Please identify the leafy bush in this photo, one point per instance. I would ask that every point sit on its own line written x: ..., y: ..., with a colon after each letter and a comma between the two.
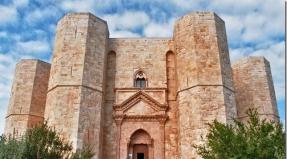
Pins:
x: 41, y: 142
x: 258, y: 139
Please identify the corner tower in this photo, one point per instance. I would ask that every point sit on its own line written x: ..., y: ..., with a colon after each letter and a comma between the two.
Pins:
x: 28, y: 96
x: 205, y: 87
x: 254, y: 88
x: 75, y: 92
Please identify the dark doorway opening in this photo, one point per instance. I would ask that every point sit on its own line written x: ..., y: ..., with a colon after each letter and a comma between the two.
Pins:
x: 140, y: 155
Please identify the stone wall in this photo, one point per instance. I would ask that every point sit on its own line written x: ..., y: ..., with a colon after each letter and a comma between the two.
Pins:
x: 205, y: 90
x: 148, y: 54
x: 254, y: 88
x: 127, y: 56
x: 28, y: 96
x: 75, y: 97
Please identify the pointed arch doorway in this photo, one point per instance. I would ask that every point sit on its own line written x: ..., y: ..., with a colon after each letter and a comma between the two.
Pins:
x: 140, y: 146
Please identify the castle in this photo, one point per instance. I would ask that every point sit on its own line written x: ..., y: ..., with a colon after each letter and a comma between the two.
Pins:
x: 139, y: 98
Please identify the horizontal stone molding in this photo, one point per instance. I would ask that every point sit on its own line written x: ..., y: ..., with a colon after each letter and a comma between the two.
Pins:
x: 245, y: 116
x: 24, y: 114
x: 147, y: 88
x: 146, y: 118
x: 94, y: 89
x: 204, y: 85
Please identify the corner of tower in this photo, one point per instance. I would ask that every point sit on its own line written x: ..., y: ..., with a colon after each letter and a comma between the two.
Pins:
x: 28, y: 96
x: 254, y: 88
x: 81, y: 17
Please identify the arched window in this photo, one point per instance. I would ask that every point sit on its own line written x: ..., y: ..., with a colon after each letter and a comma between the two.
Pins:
x: 140, y: 80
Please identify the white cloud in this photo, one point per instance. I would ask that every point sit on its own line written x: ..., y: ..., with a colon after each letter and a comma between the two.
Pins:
x: 252, y: 21
x: 39, y: 15
x: 7, y: 66
x: 9, y: 15
x: 234, y: 27
x: 238, y: 53
x: 159, y: 29
x: 123, y: 34
x: 187, y: 5
x: 20, y: 3
x: 33, y: 47
x: 78, y: 5
x: 121, y: 25
x: 127, y: 20
x: 230, y: 7
x: 3, y: 34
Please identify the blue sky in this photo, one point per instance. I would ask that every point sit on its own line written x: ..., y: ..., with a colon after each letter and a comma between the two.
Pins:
x: 27, y: 29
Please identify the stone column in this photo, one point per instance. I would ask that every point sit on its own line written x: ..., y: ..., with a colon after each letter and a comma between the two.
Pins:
x: 205, y: 88
x: 75, y: 94
x: 119, y: 125
x: 162, y: 139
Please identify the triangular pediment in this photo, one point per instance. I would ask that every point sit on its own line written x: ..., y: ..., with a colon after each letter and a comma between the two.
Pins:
x: 140, y: 100
x: 140, y: 108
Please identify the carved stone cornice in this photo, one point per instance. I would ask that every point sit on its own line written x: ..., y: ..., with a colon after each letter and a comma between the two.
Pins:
x: 148, y: 118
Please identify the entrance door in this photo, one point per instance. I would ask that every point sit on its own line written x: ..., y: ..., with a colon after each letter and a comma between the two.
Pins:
x: 140, y: 155
x: 140, y: 151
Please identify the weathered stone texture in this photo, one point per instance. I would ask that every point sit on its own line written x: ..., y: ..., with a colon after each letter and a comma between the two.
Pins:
x: 205, y: 90
x: 143, y: 53
x: 28, y: 96
x: 198, y: 107
x: 76, y: 83
x: 96, y: 94
x: 254, y: 88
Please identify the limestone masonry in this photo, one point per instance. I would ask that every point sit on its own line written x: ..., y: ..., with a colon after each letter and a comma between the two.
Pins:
x: 139, y: 98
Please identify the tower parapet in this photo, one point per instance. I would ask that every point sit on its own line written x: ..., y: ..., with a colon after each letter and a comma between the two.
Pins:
x: 28, y: 96
x: 254, y: 88
x: 75, y: 93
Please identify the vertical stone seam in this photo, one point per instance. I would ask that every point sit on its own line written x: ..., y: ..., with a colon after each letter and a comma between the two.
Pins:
x: 218, y: 48
x: 33, y: 92
x: 221, y: 61
x: 271, y: 87
x: 104, y: 90
x: 81, y: 87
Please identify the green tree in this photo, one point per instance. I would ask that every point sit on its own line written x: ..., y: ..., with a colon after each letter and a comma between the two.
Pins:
x: 44, y: 142
x: 10, y: 148
x: 257, y: 139
x: 85, y: 153
x: 41, y: 142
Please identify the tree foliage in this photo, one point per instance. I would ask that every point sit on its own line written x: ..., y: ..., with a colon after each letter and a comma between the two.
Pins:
x: 257, y: 139
x: 41, y: 142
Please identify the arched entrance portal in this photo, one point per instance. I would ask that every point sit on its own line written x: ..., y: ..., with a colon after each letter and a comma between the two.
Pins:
x: 140, y: 146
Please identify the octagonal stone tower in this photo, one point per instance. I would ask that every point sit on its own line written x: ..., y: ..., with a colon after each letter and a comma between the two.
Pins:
x: 28, y: 96
x: 75, y: 92
x: 249, y: 75
x: 205, y: 88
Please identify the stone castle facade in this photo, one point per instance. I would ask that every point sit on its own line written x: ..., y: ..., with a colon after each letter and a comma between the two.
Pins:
x: 139, y: 98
